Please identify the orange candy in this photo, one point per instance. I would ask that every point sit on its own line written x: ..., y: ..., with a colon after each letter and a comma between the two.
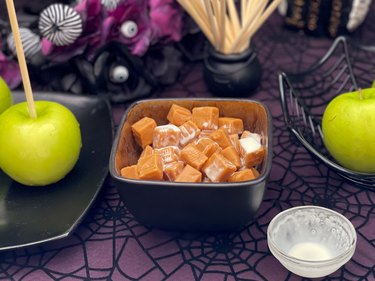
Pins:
x: 207, y: 146
x: 172, y: 170
x: 206, y: 117
x: 218, y: 168
x: 143, y: 131
x: 232, y: 155
x: 243, y: 175
x: 231, y: 125
x: 235, y: 140
x: 168, y: 154
x: 178, y: 115
x: 150, y: 167
x: 252, y: 151
x: 192, y: 156
x: 130, y: 172
x: 148, y: 150
x: 189, y: 174
x: 221, y: 137
x: 196, y: 146
x: 166, y: 135
x: 189, y: 132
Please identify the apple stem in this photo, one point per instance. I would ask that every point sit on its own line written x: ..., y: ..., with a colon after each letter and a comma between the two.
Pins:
x: 21, y: 58
x: 360, y: 93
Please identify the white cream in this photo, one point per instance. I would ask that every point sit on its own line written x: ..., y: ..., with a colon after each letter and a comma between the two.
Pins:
x: 249, y: 145
x: 310, y: 251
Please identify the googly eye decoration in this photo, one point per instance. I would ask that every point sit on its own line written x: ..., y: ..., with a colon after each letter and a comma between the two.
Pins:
x: 119, y: 74
x: 110, y: 5
x: 30, y: 42
x: 129, y: 29
x: 60, y: 24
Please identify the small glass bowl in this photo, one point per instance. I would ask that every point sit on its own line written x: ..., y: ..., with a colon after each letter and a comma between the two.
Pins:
x: 311, y: 241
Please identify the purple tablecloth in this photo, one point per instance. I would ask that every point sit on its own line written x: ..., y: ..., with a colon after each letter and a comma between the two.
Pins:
x: 111, y: 245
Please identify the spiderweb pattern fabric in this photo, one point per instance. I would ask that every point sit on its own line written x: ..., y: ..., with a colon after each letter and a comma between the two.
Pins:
x: 110, y: 244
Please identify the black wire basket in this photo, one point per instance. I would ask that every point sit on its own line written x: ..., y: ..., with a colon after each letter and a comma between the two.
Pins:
x: 304, y: 97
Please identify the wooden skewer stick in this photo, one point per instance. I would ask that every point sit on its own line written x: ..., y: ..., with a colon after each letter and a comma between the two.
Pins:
x: 264, y: 17
x: 21, y: 58
x: 212, y: 21
x: 234, y: 15
x: 248, y: 23
x: 202, y: 23
x: 216, y: 10
x: 244, y: 43
x: 243, y: 11
x: 223, y: 16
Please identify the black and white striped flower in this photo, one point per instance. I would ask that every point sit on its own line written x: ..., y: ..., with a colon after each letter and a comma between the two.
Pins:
x: 60, y: 24
x: 30, y: 42
x: 110, y: 4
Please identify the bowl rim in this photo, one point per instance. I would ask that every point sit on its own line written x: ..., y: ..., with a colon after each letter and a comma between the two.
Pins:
x: 266, y: 167
x: 334, y: 260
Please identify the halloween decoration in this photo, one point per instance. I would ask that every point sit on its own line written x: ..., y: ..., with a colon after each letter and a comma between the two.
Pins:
x: 231, y: 67
x: 120, y: 49
x: 30, y: 41
x: 60, y: 24
x: 324, y: 18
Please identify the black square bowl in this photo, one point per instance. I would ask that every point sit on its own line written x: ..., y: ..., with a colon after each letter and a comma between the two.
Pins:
x: 191, y: 206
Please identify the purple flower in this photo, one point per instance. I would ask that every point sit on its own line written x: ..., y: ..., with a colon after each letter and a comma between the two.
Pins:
x: 138, y: 24
x: 10, y: 71
x: 162, y: 14
x: 129, y: 24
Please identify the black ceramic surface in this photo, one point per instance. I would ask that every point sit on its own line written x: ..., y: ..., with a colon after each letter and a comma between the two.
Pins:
x: 232, y: 75
x: 192, y: 206
x: 304, y: 97
x: 32, y: 215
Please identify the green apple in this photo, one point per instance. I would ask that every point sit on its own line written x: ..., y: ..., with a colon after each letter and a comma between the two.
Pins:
x: 6, y: 98
x: 349, y: 130
x: 42, y: 150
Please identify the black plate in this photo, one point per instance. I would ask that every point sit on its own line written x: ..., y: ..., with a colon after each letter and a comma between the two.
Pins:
x: 32, y: 215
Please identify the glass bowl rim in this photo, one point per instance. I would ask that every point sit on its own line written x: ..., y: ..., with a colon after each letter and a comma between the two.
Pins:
x: 334, y: 260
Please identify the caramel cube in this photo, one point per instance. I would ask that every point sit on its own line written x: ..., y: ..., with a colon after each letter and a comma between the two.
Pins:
x: 206, y: 133
x: 243, y: 175
x: 172, y: 170
x: 148, y: 150
x: 207, y: 146
x: 218, y: 168
x: 245, y: 134
x: 178, y: 115
x: 231, y: 125
x: 221, y: 137
x: 235, y: 140
x: 150, y: 167
x: 248, y: 134
x: 189, y: 132
x: 143, y: 131
x: 168, y: 154
x: 232, y: 155
x: 130, y: 172
x: 189, y: 174
x: 191, y: 155
x: 255, y: 172
x: 252, y: 151
x: 166, y: 135
x: 206, y: 117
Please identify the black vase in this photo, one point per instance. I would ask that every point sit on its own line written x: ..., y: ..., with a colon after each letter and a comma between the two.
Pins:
x: 232, y: 75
